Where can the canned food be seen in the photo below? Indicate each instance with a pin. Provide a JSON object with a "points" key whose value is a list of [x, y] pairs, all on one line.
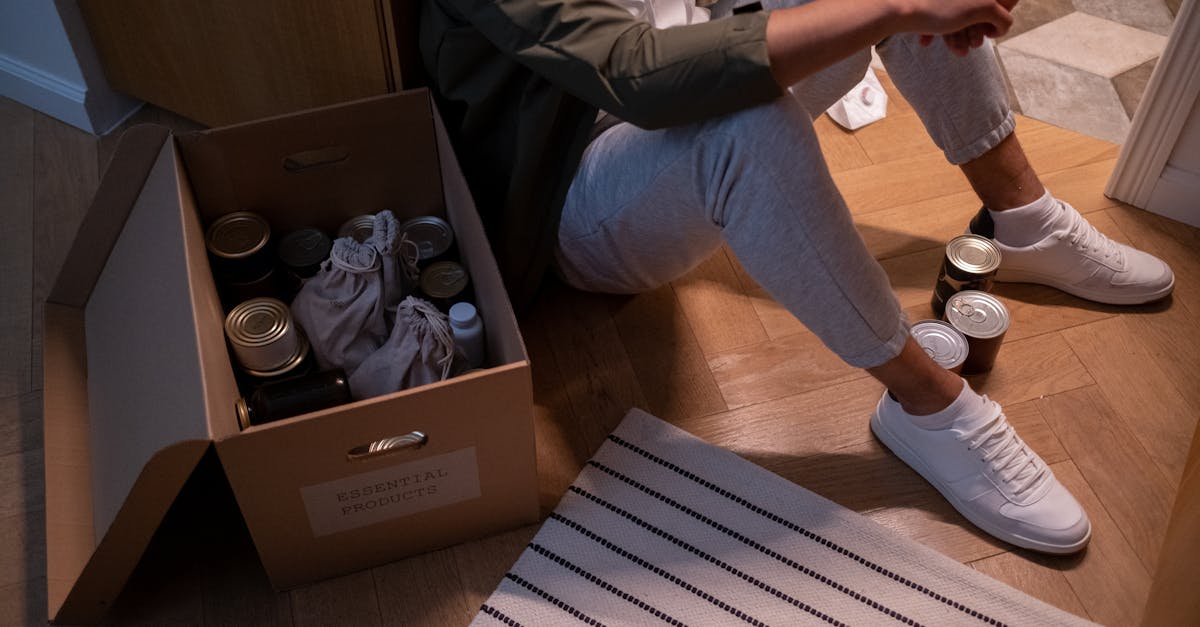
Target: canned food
{"points": [[239, 247], [298, 364], [292, 397], [262, 336], [432, 235], [984, 320], [358, 227], [444, 280], [970, 263], [303, 251], [942, 342], [265, 286]]}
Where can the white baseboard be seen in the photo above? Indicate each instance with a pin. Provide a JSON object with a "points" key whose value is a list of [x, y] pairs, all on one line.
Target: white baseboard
{"points": [[1177, 196], [93, 110]]}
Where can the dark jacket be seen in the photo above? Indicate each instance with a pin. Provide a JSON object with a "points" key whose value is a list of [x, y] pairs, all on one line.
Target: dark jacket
{"points": [[519, 83]]}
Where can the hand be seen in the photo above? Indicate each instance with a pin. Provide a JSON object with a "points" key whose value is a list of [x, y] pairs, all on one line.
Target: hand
{"points": [[963, 24], [961, 42], [804, 39]]}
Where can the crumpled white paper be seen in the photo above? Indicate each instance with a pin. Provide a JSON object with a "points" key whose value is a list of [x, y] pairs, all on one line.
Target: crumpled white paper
{"points": [[864, 104], [665, 13]]}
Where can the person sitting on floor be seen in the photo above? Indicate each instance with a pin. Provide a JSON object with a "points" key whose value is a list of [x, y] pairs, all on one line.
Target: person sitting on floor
{"points": [[623, 155]]}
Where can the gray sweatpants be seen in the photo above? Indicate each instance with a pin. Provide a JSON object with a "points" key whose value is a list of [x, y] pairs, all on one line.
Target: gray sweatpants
{"points": [[646, 207]]}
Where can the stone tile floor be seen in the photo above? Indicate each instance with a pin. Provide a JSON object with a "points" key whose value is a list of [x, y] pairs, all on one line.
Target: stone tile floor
{"points": [[1084, 64]]}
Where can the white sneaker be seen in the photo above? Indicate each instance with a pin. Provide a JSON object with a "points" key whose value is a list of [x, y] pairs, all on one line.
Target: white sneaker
{"points": [[989, 475], [1080, 260]]}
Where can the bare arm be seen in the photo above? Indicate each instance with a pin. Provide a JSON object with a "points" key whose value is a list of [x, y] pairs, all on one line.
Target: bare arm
{"points": [[804, 39]]}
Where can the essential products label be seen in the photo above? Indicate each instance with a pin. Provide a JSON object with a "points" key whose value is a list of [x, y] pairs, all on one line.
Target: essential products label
{"points": [[393, 492]]}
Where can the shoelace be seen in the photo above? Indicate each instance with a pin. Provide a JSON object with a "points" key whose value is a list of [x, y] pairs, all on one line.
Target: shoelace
{"points": [[1086, 237], [1008, 455]]}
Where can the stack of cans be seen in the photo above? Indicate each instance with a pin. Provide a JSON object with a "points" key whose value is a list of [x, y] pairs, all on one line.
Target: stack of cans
{"points": [[970, 263], [443, 278], [242, 256], [248, 263], [983, 320], [977, 319]]}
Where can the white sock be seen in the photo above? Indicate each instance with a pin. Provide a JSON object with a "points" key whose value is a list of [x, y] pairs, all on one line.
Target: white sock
{"points": [[1025, 225], [968, 403]]}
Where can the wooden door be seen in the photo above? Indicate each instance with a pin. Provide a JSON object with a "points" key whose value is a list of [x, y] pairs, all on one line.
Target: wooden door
{"points": [[224, 61]]}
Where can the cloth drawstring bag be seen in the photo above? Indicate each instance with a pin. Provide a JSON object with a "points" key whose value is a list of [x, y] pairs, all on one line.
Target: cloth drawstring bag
{"points": [[420, 350], [397, 258], [341, 309]]}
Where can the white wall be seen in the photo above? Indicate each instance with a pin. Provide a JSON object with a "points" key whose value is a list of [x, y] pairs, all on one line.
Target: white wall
{"points": [[47, 62], [31, 30]]}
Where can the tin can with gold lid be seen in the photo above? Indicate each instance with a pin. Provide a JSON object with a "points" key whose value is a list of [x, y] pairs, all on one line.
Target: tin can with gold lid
{"points": [[358, 227], [300, 362], [301, 254], [239, 247], [263, 337], [983, 320], [432, 235], [240, 251], [943, 343], [444, 283], [303, 251], [970, 263]]}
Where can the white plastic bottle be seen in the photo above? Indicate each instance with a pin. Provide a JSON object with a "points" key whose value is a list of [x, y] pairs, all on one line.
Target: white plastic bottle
{"points": [[467, 328]]}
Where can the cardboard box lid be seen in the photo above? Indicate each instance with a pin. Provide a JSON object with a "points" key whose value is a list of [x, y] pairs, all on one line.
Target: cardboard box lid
{"points": [[99, 524]]}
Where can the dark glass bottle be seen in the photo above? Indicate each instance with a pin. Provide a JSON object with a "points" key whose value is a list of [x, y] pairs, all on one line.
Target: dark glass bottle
{"points": [[292, 397]]}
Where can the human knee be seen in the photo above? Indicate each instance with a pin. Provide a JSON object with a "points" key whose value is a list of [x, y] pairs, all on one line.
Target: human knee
{"points": [[778, 131], [744, 160]]}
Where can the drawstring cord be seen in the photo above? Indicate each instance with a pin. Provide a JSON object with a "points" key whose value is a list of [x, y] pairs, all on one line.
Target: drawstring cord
{"points": [[438, 325], [410, 253]]}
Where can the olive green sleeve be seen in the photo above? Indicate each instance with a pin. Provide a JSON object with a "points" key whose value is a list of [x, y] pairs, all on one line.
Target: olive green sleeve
{"points": [[650, 77]]}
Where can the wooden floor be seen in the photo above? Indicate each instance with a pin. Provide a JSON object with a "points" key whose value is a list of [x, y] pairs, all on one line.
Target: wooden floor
{"points": [[1108, 396]]}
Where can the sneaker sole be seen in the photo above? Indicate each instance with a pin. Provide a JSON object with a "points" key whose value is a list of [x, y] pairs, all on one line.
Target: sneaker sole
{"points": [[1108, 298], [910, 457]]}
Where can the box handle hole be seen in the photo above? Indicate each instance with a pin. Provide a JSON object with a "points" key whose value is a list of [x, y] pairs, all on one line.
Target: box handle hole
{"points": [[311, 159], [413, 440]]}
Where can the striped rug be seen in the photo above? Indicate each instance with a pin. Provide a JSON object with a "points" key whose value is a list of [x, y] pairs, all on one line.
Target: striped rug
{"points": [[661, 527]]}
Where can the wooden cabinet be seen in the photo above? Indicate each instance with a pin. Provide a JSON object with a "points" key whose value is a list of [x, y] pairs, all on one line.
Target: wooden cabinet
{"points": [[225, 61]]}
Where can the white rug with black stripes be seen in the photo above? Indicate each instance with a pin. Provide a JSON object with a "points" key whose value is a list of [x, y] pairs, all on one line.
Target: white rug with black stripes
{"points": [[661, 527]]}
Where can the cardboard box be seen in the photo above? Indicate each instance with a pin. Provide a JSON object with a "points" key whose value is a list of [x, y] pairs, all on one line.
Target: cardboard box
{"points": [[138, 380]]}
